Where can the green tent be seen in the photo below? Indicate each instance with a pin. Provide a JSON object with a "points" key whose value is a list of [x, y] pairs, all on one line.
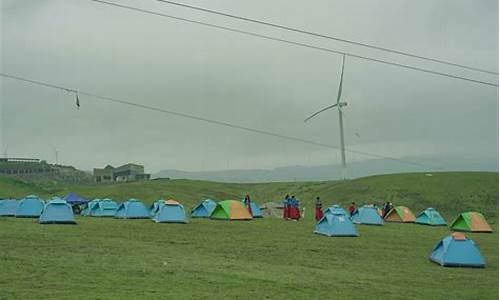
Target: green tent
{"points": [[230, 210], [472, 222]]}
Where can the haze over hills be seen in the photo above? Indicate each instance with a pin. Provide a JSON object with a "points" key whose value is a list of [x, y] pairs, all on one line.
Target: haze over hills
{"points": [[334, 172]]}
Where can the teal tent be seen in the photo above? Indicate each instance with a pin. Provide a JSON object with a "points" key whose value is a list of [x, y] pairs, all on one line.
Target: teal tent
{"points": [[256, 212], [8, 207], [132, 209], [30, 207], [336, 224], [204, 209], [430, 216], [104, 208], [170, 211], [57, 211], [335, 209], [457, 250], [89, 206], [367, 215]]}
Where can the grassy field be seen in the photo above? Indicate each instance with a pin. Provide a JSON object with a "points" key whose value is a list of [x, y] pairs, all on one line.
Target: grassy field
{"points": [[260, 259]]}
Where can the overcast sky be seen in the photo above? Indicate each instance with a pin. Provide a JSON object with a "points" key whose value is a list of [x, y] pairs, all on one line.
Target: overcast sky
{"points": [[244, 80]]}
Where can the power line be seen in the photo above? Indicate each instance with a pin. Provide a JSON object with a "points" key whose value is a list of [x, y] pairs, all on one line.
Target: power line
{"points": [[414, 68], [202, 119], [330, 37]]}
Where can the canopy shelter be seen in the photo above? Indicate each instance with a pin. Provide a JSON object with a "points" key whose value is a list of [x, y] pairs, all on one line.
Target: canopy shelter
{"points": [[170, 211], [104, 208], [430, 216], [401, 214], [74, 199], [272, 210], [8, 207], [256, 212], [57, 211], [30, 207], [230, 210], [471, 222], [336, 224], [204, 209], [367, 215], [456, 250], [132, 209]]}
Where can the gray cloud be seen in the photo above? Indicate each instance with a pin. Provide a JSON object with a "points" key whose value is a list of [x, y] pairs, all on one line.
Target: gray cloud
{"points": [[245, 80]]}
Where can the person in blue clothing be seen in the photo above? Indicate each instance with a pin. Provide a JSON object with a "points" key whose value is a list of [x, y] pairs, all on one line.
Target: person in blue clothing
{"points": [[294, 209]]}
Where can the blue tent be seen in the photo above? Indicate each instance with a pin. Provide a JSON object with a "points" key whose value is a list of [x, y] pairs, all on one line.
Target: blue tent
{"points": [[335, 209], [430, 216], [88, 208], [256, 212], [204, 209], [104, 208], [8, 207], [155, 207], [336, 224], [132, 209], [74, 199], [367, 215], [170, 211], [456, 250], [57, 211], [30, 207]]}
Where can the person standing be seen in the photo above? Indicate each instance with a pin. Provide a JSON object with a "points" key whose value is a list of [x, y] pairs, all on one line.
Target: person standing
{"points": [[286, 207], [352, 209], [319, 211], [294, 208], [248, 204]]}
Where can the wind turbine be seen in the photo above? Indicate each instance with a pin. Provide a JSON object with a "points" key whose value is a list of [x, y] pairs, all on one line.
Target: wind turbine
{"points": [[339, 106]]}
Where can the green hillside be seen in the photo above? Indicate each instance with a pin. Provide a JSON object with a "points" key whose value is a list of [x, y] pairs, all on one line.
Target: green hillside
{"points": [[449, 192], [260, 259]]}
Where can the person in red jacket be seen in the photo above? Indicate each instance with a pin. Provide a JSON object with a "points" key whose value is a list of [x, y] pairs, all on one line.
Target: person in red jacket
{"points": [[319, 211], [286, 207]]}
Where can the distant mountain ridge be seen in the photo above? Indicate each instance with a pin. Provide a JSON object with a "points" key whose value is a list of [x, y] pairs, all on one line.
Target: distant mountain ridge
{"points": [[334, 172]]}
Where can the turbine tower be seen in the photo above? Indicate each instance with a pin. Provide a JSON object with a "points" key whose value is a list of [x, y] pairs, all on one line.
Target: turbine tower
{"points": [[339, 106]]}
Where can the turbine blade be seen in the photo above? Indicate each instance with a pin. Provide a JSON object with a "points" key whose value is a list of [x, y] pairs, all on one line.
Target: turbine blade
{"points": [[320, 111], [341, 79]]}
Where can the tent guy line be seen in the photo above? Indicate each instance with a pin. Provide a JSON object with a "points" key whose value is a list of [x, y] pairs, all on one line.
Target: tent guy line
{"points": [[289, 42], [217, 122], [321, 35]]}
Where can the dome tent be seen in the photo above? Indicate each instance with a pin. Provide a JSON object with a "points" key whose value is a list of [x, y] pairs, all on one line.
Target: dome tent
{"points": [[430, 216], [230, 210], [256, 212], [132, 209], [335, 209], [401, 214], [57, 211], [170, 211], [89, 206], [30, 207], [8, 207], [367, 215], [336, 224], [456, 250], [471, 222], [104, 208], [204, 209]]}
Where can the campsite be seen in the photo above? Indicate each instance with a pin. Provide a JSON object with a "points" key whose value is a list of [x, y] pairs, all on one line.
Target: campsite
{"points": [[262, 258], [195, 149]]}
